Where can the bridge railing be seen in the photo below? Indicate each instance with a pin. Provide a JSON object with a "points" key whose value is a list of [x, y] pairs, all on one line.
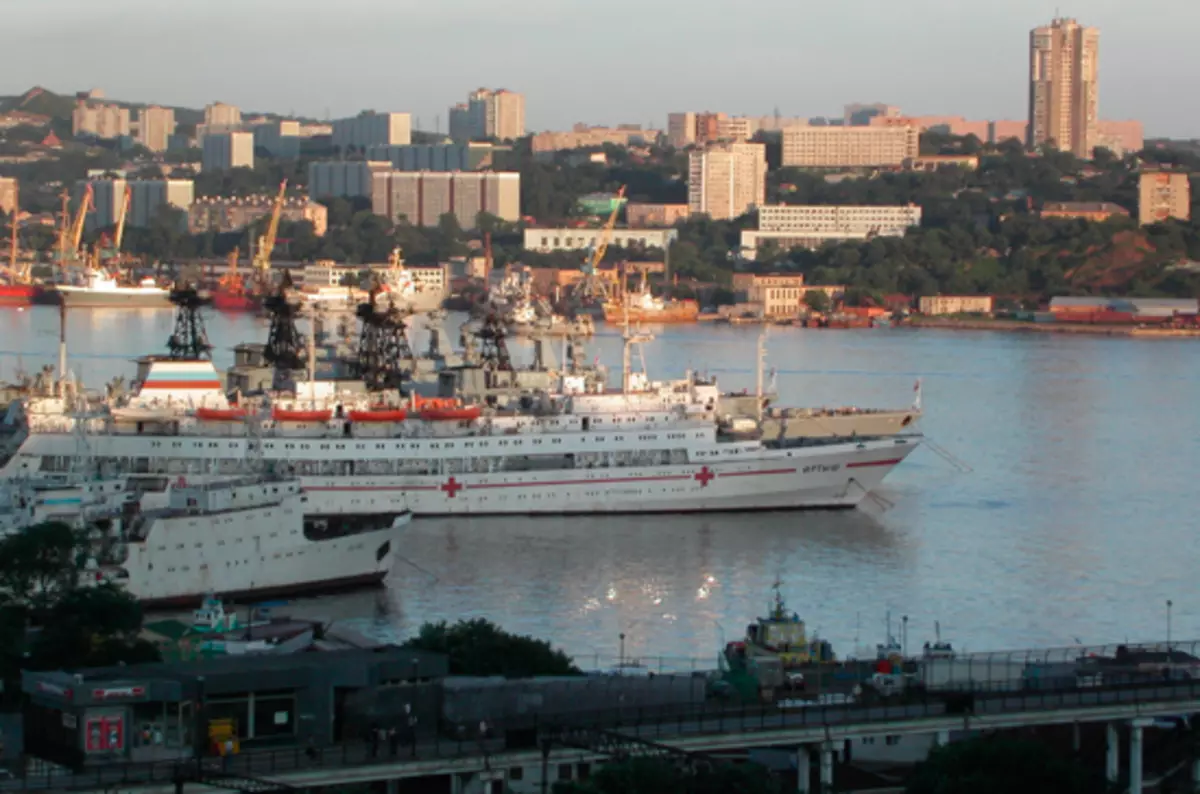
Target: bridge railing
{"points": [[661, 723]]}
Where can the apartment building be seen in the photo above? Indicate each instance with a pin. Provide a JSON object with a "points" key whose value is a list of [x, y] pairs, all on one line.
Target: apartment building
{"points": [[226, 150], [811, 226], [685, 129], [147, 197], [472, 156], [155, 126], [858, 114], [1121, 137], [1064, 87], [219, 114], [849, 147], [546, 240], [279, 138], [488, 113], [344, 179], [372, 129], [221, 215], [986, 131], [644, 216], [582, 136], [1163, 195], [422, 197], [8, 194], [99, 120], [726, 180]]}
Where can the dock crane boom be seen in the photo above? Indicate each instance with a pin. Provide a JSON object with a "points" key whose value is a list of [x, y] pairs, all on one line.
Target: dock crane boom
{"points": [[120, 232], [85, 205], [266, 242], [592, 285]]}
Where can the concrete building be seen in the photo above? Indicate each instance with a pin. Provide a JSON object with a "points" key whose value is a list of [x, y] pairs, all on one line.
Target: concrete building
{"points": [[498, 114], [472, 156], [218, 114], [776, 294], [1095, 211], [1163, 195], [681, 129], [641, 216], [99, 120], [934, 162], [227, 150], [372, 129], [956, 304], [858, 114], [146, 198], [727, 180], [279, 138], [685, 129], [1064, 88], [344, 179], [582, 136], [8, 194], [422, 197], [155, 125], [986, 131], [849, 147], [546, 240], [223, 215], [1121, 137], [810, 226]]}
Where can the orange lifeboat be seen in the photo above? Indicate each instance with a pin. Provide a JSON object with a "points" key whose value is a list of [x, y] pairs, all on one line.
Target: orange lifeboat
{"points": [[379, 413], [285, 415], [221, 414], [451, 413]]}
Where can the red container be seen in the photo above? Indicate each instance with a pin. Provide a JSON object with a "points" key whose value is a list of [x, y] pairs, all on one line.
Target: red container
{"points": [[1113, 318], [1152, 319], [1074, 317]]}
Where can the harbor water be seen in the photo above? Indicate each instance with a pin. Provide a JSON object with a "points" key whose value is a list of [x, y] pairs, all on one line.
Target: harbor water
{"points": [[1063, 510]]}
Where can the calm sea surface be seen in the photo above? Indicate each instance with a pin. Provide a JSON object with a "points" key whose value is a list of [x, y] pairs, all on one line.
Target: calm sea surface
{"points": [[1076, 519]]}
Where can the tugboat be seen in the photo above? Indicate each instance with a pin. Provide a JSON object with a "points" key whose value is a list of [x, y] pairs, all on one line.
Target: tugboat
{"points": [[782, 635], [939, 649]]}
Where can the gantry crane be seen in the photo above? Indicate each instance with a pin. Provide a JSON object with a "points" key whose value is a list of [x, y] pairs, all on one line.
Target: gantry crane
{"points": [[70, 233], [112, 253], [591, 286], [266, 242]]}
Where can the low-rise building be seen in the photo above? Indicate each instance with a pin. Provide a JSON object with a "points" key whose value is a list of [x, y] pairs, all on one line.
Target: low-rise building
{"points": [[1164, 195], [778, 294], [1095, 211], [932, 162], [423, 197], [547, 240], [223, 215], [810, 226], [582, 136], [643, 216], [849, 147], [956, 304]]}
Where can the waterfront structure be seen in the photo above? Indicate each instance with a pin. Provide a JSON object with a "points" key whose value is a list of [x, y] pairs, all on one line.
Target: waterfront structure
{"points": [[372, 129], [858, 114], [422, 197], [278, 138], [642, 215], [343, 178], [546, 240], [1095, 211], [956, 304], [726, 180], [849, 147], [147, 197], [219, 114], [99, 120], [810, 226], [498, 114], [155, 126], [8, 194], [1064, 88], [777, 295], [470, 156], [1164, 195], [223, 215], [226, 150], [582, 136]]}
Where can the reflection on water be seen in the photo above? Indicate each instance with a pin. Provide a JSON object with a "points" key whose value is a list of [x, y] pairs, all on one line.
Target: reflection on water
{"points": [[1076, 520]]}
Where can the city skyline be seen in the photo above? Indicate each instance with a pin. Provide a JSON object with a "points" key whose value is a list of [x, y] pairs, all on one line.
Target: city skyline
{"points": [[930, 56]]}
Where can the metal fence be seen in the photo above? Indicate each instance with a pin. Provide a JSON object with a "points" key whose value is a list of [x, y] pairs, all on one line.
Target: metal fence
{"points": [[660, 724], [632, 663]]}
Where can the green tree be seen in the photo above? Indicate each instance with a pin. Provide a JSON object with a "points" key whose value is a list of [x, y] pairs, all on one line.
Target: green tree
{"points": [[817, 300], [1001, 765], [479, 647]]}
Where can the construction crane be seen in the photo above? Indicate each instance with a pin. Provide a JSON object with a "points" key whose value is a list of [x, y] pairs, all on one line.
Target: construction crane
{"points": [[112, 251], [266, 242], [592, 286]]}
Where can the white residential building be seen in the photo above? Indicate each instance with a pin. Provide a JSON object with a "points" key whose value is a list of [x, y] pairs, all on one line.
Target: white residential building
{"points": [[546, 240], [810, 226], [726, 180]]}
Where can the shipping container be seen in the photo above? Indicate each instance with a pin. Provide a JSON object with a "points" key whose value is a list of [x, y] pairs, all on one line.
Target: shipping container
{"points": [[1113, 318], [1152, 319]]}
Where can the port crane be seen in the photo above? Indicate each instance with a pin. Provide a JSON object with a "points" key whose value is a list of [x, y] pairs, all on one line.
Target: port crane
{"points": [[592, 287], [70, 232], [14, 272], [112, 252], [266, 241]]}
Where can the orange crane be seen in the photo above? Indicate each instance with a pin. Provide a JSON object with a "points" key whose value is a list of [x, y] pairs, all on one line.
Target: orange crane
{"points": [[592, 286], [266, 242]]}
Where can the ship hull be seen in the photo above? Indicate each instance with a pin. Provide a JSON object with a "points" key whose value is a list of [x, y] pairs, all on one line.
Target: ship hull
{"points": [[17, 294], [843, 425], [233, 302], [812, 479], [683, 312], [81, 298]]}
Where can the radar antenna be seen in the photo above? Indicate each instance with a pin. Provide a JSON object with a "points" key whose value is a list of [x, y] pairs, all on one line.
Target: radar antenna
{"points": [[189, 341], [285, 348]]}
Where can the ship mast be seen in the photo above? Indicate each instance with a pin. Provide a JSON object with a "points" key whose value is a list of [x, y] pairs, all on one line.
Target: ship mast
{"points": [[760, 359], [12, 249]]}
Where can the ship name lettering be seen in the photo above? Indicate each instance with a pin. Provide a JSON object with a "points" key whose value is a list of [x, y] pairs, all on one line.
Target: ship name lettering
{"points": [[821, 468]]}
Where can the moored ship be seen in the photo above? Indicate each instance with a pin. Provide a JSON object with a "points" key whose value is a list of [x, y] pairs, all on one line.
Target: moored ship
{"points": [[19, 294], [645, 309], [103, 291]]}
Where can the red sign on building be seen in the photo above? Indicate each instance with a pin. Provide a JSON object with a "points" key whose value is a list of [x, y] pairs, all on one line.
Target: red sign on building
{"points": [[105, 734]]}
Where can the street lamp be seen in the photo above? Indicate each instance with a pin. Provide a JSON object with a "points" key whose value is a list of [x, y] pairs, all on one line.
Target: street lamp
{"points": [[904, 636], [1169, 605], [621, 663]]}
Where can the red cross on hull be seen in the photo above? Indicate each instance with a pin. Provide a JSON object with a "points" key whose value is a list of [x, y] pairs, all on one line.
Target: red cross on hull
{"points": [[704, 477], [452, 487]]}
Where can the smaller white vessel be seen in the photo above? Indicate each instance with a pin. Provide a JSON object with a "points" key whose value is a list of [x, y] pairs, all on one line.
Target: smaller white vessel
{"points": [[103, 291]]}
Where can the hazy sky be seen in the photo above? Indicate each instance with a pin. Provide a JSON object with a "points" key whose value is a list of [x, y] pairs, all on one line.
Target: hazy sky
{"points": [[598, 61]]}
